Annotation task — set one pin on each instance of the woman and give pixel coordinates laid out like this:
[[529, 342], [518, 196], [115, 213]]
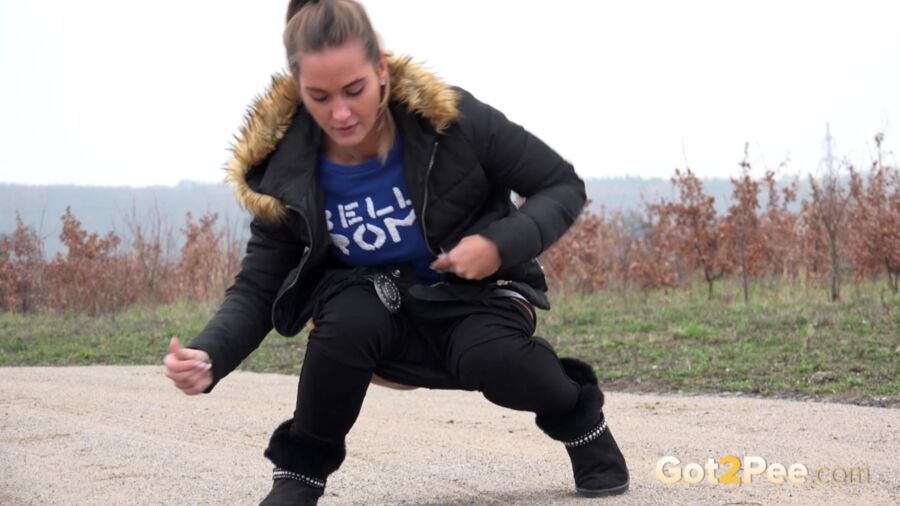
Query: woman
[[382, 212]]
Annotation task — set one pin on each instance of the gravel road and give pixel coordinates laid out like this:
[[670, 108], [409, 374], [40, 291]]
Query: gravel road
[[125, 435]]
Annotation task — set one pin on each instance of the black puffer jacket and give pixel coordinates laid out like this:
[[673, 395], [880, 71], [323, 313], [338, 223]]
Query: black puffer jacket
[[461, 158]]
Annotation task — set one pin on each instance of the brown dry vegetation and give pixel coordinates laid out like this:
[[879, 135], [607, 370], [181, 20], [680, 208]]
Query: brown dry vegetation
[[849, 229], [97, 275]]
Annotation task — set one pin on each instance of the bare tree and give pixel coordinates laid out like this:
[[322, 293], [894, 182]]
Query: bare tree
[[830, 197], [743, 236]]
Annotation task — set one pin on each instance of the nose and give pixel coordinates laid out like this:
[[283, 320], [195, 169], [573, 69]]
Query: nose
[[341, 112]]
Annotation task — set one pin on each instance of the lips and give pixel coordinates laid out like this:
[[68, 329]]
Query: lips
[[347, 130]]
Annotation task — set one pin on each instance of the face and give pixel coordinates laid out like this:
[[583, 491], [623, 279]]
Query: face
[[341, 89]]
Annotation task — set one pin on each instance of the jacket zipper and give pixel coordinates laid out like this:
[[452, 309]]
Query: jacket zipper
[[309, 248], [425, 198], [303, 260]]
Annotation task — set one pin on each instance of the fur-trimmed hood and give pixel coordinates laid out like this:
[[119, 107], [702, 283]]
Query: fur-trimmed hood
[[271, 114]]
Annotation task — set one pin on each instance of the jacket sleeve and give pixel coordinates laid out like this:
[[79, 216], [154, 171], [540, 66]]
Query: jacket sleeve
[[244, 318], [516, 159]]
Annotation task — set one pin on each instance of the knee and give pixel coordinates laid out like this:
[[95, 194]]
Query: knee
[[523, 376], [489, 366]]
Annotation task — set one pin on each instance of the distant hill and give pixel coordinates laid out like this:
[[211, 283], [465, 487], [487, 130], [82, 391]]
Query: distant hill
[[101, 209], [629, 193]]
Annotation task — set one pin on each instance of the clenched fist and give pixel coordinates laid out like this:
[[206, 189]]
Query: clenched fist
[[474, 257], [190, 369]]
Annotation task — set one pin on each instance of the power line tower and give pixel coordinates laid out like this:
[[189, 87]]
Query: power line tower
[[828, 144]]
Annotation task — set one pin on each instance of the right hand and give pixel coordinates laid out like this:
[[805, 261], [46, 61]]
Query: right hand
[[190, 369]]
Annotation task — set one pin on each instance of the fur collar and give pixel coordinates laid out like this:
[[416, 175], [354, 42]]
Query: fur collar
[[271, 114]]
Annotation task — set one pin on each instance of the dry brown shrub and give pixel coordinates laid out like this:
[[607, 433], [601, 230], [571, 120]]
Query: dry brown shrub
[[875, 220], [21, 269], [209, 260], [93, 277]]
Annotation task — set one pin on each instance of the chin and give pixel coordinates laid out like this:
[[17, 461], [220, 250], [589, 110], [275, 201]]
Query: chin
[[349, 142]]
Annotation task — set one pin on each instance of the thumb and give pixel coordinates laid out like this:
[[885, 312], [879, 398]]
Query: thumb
[[176, 349]]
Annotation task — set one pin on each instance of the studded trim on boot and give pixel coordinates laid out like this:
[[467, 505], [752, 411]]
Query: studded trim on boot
[[309, 481], [287, 491], [592, 434]]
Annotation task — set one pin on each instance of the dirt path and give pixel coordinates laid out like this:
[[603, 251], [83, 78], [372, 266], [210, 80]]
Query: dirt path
[[125, 435]]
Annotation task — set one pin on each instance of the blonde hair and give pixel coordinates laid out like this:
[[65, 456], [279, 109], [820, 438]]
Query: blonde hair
[[316, 25]]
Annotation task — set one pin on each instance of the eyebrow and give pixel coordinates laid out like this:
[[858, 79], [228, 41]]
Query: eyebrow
[[354, 83]]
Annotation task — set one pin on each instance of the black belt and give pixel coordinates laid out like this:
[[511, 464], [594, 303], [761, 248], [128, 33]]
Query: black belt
[[385, 283]]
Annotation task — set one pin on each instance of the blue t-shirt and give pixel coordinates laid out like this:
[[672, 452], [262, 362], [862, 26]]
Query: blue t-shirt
[[369, 214]]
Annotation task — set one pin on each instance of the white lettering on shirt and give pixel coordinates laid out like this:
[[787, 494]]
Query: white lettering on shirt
[[361, 242], [392, 223], [401, 200], [349, 217], [379, 213], [339, 240]]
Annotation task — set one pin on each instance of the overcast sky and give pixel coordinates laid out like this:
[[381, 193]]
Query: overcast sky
[[140, 93]]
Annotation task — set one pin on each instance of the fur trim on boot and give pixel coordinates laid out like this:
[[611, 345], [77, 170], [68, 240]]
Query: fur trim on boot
[[586, 415], [303, 454], [302, 466], [581, 372]]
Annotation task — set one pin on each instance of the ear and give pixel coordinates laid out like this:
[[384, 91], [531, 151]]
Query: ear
[[382, 68]]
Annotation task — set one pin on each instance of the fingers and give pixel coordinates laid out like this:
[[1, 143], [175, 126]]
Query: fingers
[[187, 368], [177, 365], [191, 380], [443, 263], [473, 257], [177, 369], [199, 387], [194, 382], [455, 263]]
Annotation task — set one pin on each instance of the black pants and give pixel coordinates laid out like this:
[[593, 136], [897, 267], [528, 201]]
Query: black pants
[[484, 344]]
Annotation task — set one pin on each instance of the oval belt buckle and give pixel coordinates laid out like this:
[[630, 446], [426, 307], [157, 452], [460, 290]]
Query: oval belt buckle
[[387, 291]]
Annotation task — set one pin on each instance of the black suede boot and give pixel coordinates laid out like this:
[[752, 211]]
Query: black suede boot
[[302, 466], [597, 463]]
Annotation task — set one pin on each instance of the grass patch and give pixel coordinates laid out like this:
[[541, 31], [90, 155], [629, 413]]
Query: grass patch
[[138, 336], [786, 342]]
